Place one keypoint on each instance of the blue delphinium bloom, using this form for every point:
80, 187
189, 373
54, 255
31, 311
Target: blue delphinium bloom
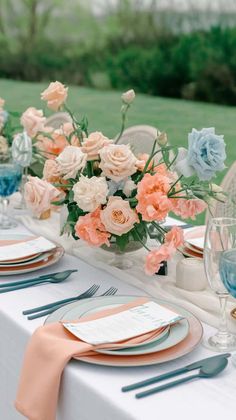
206, 152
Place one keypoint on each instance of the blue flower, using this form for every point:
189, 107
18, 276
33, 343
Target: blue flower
206, 152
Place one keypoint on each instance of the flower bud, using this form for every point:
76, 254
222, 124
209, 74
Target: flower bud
162, 138
128, 97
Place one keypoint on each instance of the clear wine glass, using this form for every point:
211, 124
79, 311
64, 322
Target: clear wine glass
10, 177
220, 237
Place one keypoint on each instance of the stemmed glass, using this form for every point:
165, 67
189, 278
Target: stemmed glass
220, 237
10, 177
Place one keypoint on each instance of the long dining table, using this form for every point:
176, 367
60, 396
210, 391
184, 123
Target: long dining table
88, 391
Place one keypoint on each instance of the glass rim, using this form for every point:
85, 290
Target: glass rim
228, 221
225, 255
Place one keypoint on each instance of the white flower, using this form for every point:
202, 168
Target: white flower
129, 187
128, 97
117, 161
90, 193
218, 193
70, 161
3, 145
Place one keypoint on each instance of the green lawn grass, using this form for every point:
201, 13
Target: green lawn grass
176, 117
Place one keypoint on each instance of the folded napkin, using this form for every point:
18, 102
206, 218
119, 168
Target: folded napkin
49, 350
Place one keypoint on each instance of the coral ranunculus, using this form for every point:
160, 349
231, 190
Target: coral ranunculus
153, 203
91, 229
188, 208
175, 236
157, 256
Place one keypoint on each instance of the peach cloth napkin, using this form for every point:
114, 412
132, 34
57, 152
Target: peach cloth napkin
49, 350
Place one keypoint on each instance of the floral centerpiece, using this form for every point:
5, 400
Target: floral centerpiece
113, 196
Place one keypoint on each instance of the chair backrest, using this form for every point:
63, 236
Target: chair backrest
227, 209
58, 119
140, 138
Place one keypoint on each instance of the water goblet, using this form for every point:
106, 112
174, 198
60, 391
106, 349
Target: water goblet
220, 237
10, 177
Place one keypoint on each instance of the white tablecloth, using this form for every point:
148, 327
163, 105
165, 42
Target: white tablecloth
93, 392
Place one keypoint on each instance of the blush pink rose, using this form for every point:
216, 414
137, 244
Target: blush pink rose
118, 217
175, 236
51, 172
91, 229
117, 161
55, 95
33, 121
93, 144
155, 258
153, 203
188, 208
39, 194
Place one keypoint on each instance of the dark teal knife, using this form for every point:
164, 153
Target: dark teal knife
188, 368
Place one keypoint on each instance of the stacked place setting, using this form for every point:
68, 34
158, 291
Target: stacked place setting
22, 253
194, 242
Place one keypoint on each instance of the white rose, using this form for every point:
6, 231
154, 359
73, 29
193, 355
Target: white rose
93, 144
70, 161
128, 97
129, 187
90, 193
117, 161
3, 145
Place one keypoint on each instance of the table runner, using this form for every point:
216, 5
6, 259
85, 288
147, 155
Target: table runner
203, 304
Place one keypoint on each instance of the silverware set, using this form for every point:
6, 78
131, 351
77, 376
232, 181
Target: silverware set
208, 368
44, 310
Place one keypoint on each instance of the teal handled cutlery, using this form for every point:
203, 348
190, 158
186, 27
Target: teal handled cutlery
48, 278
196, 365
208, 370
51, 307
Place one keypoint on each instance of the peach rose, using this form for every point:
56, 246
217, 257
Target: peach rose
55, 95
153, 203
2, 103
117, 161
33, 121
94, 143
67, 130
188, 208
90, 193
39, 194
71, 161
51, 171
91, 229
118, 217
175, 236
157, 256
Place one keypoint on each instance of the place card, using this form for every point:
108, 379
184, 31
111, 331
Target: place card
25, 249
123, 325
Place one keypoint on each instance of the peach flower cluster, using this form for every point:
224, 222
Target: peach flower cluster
173, 239
153, 202
188, 208
91, 229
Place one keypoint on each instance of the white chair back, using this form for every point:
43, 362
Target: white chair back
227, 209
140, 138
58, 119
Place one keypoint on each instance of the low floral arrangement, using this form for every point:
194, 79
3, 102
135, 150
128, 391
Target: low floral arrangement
113, 196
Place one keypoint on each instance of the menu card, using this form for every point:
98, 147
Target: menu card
25, 249
123, 325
